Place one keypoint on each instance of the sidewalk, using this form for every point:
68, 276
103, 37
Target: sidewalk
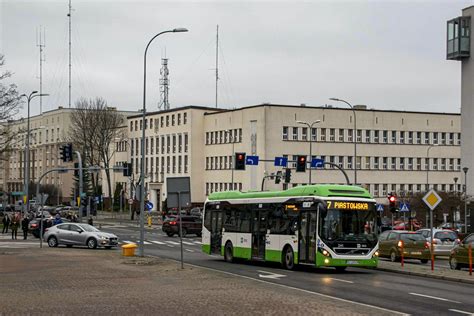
97, 282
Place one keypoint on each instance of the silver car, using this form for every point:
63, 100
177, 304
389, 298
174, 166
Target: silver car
70, 234
444, 240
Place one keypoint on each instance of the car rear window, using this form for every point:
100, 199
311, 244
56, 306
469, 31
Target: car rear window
446, 236
412, 237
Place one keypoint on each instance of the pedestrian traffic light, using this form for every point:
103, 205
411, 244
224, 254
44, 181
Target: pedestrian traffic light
127, 169
287, 175
301, 164
392, 203
239, 161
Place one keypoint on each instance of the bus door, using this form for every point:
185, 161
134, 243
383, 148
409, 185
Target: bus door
216, 231
259, 231
307, 237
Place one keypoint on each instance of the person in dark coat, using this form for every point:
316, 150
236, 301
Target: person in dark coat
15, 223
6, 223
24, 227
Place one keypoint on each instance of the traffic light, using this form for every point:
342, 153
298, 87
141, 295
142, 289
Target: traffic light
392, 203
66, 152
287, 175
239, 161
127, 169
278, 177
301, 164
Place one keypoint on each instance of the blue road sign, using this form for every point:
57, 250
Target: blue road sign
317, 163
380, 208
404, 207
251, 160
148, 206
281, 161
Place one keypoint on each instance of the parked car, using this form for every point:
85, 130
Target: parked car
191, 224
70, 234
34, 227
444, 240
414, 245
459, 257
196, 212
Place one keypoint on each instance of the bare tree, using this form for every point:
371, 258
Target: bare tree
9, 107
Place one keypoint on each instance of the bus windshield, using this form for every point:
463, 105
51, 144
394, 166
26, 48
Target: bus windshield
349, 223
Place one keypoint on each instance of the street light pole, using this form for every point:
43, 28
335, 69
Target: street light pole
142, 167
354, 136
310, 126
427, 182
27, 148
465, 169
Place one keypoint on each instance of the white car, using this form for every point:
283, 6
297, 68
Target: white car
444, 240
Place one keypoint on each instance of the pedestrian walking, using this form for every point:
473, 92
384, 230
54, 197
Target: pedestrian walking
24, 227
57, 220
15, 223
6, 223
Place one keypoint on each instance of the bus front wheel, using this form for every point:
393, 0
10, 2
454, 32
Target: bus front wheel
229, 252
288, 258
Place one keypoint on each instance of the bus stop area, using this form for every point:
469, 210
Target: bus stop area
80, 281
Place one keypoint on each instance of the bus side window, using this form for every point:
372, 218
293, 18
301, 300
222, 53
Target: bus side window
244, 221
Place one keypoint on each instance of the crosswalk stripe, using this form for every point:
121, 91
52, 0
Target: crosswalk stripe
172, 242
189, 250
188, 243
157, 242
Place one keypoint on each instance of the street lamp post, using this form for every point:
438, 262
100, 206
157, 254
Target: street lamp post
465, 169
354, 136
142, 167
310, 126
427, 181
27, 147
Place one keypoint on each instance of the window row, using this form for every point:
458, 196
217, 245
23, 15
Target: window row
176, 119
168, 165
224, 137
165, 144
212, 187
370, 136
219, 163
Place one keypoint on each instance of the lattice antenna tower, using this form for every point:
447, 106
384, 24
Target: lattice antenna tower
41, 43
164, 85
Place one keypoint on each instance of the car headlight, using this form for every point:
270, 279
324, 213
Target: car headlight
103, 237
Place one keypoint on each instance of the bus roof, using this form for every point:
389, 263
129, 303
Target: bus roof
323, 190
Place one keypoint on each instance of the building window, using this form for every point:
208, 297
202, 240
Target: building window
427, 163
314, 134
186, 164
376, 136
359, 135
402, 163
174, 164
435, 138
459, 139
186, 143
427, 137
367, 163
180, 140
341, 161
349, 162
443, 164
384, 163
172, 120
179, 164
304, 133
435, 163
285, 132
323, 134
394, 163
410, 163
418, 137
376, 162
131, 126
162, 165
341, 135
418, 163
162, 145
168, 166
410, 137
443, 138
174, 143
350, 137
367, 136
451, 164
394, 137
161, 122
185, 118
332, 134
295, 133
179, 118
385, 137
168, 144
167, 120
402, 137
451, 138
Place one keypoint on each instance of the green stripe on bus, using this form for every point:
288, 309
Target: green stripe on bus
206, 249
345, 262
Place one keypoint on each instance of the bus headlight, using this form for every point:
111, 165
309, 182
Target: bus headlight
326, 261
325, 253
376, 254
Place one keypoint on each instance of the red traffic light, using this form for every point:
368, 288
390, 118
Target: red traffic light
240, 157
392, 198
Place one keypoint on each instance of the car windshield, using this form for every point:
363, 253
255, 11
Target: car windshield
446, 236
89, 228
349, 224
411, 237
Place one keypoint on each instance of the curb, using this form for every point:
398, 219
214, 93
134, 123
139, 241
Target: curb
433, 276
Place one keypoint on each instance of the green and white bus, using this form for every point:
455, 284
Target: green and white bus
320, 225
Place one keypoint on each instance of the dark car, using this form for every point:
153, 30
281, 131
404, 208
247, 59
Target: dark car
191, 225
35, 225
459, 257
414, 245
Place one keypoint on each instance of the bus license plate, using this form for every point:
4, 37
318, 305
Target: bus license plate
352, 262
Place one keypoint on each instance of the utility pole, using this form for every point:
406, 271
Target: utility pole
69, 15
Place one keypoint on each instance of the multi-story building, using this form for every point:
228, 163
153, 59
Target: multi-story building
396, 151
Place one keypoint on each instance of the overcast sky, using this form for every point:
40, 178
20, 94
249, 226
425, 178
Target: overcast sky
385, 54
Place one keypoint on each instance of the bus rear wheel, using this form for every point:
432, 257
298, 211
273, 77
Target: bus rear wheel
288, 258
229, 252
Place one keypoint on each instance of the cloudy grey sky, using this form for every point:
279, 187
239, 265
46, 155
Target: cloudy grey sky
385, 54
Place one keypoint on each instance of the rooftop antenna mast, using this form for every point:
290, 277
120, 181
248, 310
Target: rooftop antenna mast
217, 59
40, 42
69, 15
164, 82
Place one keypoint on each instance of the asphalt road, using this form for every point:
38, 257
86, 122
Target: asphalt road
391, 292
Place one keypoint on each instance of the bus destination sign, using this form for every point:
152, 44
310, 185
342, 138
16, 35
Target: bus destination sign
348, 205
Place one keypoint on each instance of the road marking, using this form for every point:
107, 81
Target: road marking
172, 242
298, 289
128, 242
340, 280
144, 242
170, 246
189, 250
270, 275
435, 297
157, 242
188, 243
461, 312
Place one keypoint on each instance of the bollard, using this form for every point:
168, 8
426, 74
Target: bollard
432, 255
128, 250
403, 261
470, 258
149, 221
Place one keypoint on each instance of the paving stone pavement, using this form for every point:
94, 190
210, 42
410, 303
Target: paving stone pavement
101, 282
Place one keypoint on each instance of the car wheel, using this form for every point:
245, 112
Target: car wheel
340, 269
393, 256
183, 232
91, 243
288, 258
52, 241
424, 260
453, 263
169, 234
229, 252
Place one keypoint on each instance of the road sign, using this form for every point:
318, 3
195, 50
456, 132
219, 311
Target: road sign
130, 201
251, 160
148, 205
281, 161
317, 163
41, 198
432, 199
404, 207
380, 208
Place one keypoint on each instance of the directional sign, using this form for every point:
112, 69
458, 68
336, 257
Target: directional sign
432, 199
317, 163
148, 205
404, 207
251, 160
281, 161
380, 208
